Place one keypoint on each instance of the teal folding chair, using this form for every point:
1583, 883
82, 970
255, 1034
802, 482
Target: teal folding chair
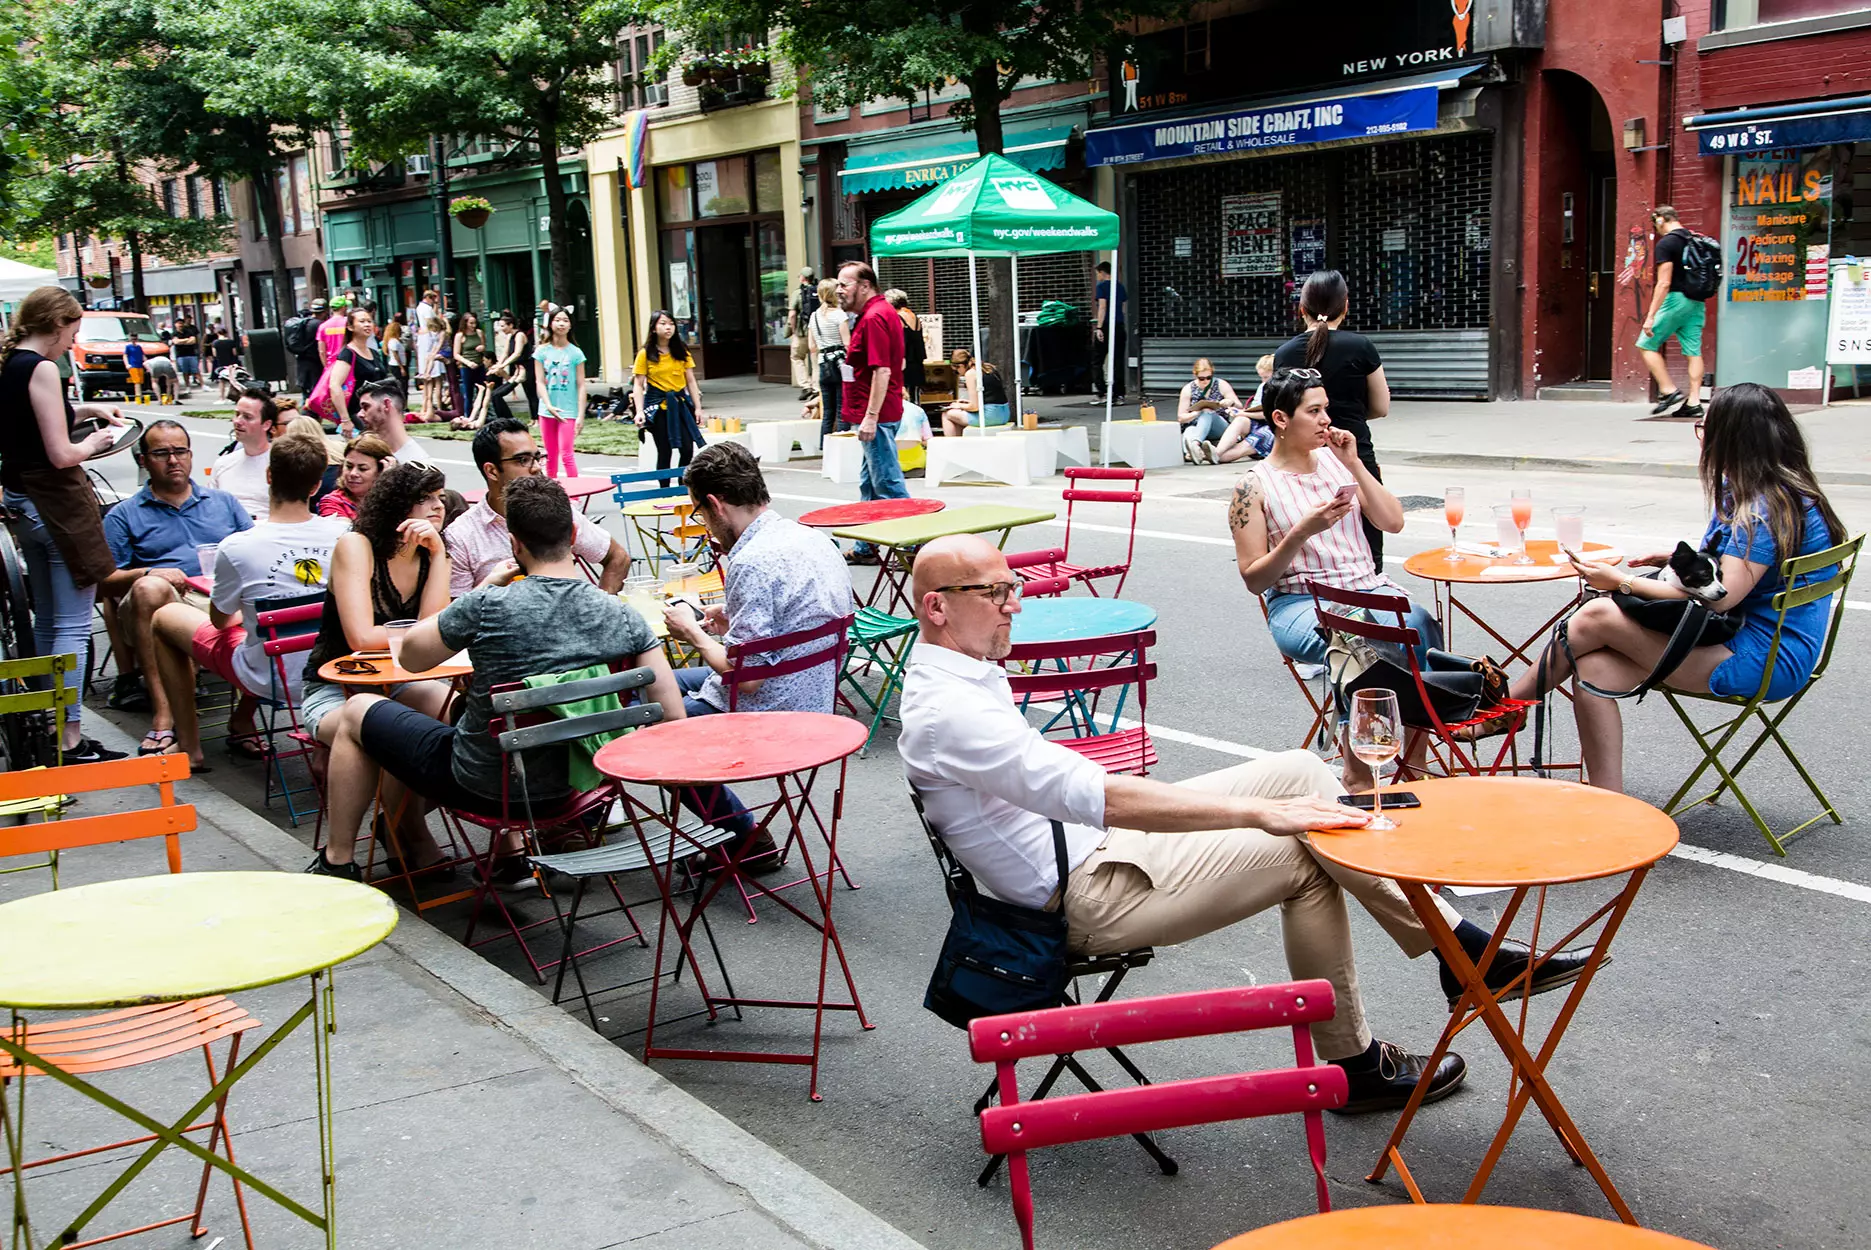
1842, 560
656, 503
880, 643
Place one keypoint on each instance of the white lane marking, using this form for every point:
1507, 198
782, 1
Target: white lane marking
1695, 854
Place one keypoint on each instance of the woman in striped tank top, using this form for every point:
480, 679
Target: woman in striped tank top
1296, 517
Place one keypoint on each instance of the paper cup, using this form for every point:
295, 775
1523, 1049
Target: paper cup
394, 632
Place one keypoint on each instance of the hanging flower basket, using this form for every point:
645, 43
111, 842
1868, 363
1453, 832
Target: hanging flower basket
98, 280
471, 211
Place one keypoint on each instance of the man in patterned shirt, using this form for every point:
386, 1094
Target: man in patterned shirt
781, 578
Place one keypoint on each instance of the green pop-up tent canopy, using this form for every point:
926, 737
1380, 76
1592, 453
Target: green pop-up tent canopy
996, 208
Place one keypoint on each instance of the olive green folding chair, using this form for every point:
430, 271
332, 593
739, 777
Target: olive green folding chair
1842, 560
18, 702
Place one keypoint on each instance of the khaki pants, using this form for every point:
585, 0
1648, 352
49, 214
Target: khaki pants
1156, 889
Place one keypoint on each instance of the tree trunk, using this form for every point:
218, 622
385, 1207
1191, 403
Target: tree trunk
984, 95
265, 185
133, 240
558, 224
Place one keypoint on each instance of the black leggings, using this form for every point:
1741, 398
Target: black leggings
665, 439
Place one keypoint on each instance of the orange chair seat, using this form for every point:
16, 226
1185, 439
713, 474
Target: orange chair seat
135, 1035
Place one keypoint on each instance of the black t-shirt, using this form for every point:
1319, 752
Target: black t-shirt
365, 369
1349, 359
1670, 252
226, 352
19, 425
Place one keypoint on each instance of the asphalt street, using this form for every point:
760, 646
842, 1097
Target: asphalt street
1716, 1067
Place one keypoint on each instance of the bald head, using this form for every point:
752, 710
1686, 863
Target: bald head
968, 621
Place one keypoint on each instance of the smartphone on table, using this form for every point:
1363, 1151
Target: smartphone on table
1401, 800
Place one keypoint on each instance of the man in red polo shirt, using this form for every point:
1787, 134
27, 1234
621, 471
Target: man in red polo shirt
872, 395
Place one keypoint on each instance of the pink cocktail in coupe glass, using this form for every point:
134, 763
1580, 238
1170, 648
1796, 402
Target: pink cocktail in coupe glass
1523, 517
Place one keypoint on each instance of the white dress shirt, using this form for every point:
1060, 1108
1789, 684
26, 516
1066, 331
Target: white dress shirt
991, 784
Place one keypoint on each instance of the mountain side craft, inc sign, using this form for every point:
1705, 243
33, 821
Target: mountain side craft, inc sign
1356, 117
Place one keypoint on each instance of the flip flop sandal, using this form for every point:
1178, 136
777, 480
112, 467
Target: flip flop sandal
163, 739
247, 747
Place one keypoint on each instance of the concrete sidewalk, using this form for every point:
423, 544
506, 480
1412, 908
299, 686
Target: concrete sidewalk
471, 1112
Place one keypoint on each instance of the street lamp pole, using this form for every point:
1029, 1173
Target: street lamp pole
444, 239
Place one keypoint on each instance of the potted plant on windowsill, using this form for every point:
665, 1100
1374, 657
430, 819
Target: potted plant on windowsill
471, 210
97, 280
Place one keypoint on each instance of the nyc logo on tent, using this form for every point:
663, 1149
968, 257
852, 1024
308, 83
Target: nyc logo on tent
1026, 193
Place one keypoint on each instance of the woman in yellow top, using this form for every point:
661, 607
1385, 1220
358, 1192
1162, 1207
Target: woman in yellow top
669, 399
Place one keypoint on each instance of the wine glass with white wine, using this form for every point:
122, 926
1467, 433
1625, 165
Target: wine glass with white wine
1376, 738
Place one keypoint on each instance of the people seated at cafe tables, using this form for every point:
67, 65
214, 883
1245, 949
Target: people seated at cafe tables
478, 543
391, 567
552, 620
1296, 517
1152, 864
780, 577
1766, 506
287, 553
366, 457
155, 537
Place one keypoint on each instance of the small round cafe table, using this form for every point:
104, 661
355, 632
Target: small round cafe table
141, 941
1469, 569
1524, 833
869, 511
383, 673
788, 749
1453, 1228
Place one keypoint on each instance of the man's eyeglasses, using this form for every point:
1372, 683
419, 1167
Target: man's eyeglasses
998, 592
526, 459
167, 453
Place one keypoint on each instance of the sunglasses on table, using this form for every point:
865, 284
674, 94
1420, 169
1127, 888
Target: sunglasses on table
357, 668
997, 592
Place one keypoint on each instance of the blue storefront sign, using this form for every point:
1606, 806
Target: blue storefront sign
1759, 133
1270, 126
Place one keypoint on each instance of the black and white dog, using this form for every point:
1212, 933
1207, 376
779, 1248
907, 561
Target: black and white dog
1697, 573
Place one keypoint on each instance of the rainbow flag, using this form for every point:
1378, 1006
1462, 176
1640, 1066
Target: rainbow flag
637, 146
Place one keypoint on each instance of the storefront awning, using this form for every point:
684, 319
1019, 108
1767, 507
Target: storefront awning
178, 280
939, 157
1395, 106
1809, 125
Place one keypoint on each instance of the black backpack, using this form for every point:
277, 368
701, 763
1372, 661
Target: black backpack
301, 336
1701, 266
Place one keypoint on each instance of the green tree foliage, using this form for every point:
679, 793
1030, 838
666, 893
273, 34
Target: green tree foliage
531, 72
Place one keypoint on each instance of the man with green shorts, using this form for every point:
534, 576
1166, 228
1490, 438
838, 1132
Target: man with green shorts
1673, 312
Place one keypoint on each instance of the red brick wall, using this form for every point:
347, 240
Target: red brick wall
1811, 67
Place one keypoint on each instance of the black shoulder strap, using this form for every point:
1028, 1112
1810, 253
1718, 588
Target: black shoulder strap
1058, 851
1683, 640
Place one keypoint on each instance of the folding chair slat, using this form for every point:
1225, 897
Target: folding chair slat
39, 783
77, 831
1165, 1018
555, 732
532, 698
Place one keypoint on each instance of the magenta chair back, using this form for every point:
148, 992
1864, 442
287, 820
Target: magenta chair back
1014, 1127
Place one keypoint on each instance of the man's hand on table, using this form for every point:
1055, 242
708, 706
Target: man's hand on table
1288, 818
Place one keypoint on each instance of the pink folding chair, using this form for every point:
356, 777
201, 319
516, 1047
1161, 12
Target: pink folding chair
1014, 1127
1056, 562
1072, 673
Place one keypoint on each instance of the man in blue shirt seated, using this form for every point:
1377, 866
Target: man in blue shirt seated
155, 536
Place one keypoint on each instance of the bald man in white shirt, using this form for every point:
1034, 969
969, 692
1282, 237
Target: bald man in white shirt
1150, 863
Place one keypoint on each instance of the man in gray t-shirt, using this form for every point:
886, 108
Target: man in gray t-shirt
552, 621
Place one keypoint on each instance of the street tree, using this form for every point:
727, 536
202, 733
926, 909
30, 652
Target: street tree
394, 73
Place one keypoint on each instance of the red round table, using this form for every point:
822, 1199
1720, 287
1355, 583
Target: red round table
845, 515
788, 749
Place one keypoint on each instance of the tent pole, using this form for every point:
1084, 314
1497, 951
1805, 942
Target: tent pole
1018, 367
1110, 353
974, 302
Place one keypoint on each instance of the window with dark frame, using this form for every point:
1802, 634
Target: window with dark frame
169, 198
191, 192
637, 86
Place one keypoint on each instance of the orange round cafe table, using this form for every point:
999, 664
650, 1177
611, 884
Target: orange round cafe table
1453, 1228
1524, 833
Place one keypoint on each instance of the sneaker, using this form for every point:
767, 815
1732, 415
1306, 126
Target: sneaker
513, 875
322, 867
128, 694
1666, 403
1205, 450
1692, 412
91, 751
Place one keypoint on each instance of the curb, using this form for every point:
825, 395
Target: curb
1584, 464
796, 1199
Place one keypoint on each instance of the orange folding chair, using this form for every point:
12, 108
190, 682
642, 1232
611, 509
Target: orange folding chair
138, 1035
1015, 1127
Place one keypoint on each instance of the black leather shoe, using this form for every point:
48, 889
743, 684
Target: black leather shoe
1511, 961
1389, 1085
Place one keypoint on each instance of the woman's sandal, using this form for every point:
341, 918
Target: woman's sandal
246, 747
156, 742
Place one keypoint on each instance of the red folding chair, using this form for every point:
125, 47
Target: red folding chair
836, 635
1320, 701
1014, 1127
1442, 739
289, 626
1056, 562
1071, 673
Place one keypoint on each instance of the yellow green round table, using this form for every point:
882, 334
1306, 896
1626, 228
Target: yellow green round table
169, 939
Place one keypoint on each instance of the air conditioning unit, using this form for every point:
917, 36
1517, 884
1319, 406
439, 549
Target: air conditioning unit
416, 164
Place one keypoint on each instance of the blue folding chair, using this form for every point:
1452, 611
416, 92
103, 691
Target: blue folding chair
651, 498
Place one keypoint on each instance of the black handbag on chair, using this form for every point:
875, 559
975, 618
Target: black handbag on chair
1000, 957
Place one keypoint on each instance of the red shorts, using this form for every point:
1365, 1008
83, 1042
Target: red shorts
214, 650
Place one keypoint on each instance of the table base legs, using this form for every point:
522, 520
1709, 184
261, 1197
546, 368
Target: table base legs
318, 1008
1528, 1081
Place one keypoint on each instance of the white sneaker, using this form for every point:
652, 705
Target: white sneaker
1207, 450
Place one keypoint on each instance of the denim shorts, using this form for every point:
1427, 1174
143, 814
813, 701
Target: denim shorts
1294, 625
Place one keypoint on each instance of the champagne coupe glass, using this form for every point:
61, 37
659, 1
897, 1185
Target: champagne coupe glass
1523, 517
1454, 505
1376, 738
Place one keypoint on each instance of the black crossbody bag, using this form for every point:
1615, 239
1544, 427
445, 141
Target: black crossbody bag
1000, 957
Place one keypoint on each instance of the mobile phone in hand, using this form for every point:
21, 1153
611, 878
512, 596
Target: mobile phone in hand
1348, 491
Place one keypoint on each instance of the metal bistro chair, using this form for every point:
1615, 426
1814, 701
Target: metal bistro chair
1843, 561
1053, 678
879, 642
289, 627
129, 1038
1114, 967
1055, 562
1319, 732
31, 723
1307, 1089
656, 486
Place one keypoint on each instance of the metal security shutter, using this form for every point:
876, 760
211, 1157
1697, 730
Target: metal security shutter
1418, 364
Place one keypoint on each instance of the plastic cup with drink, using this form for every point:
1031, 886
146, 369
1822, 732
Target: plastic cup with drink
1506, 529
1570, 522
394, 632
206, 553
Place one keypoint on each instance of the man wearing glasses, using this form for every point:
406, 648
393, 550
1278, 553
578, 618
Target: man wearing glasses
155, 536
1151, 864
480, 552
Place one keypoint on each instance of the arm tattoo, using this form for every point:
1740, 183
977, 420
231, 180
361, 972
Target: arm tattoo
1246, 495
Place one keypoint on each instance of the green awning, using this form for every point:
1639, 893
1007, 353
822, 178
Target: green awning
995, 208
937, 158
